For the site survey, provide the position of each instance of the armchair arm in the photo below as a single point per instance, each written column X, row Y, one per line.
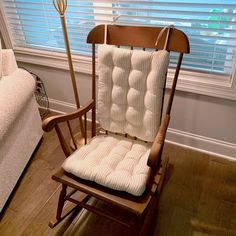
column 50, row 122
column 156, row 149
column 8, row 62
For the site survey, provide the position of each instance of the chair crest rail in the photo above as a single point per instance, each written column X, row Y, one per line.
column 140, row 36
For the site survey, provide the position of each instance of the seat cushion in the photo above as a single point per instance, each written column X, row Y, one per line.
column 130, row 90
column 113, row 161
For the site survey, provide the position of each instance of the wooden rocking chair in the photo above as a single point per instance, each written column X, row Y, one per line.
column 123, row 165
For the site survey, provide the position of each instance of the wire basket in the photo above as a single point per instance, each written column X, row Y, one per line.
column 40, row 95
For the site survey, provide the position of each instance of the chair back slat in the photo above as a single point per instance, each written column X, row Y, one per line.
column 94, row 89
column 85, row 126
column 71, row 134
column 63, row 143
column 172, row 92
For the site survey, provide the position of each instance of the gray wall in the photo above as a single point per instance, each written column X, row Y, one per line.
column 204, row 115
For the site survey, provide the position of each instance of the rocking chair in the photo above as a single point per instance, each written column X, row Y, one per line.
column 122, row 165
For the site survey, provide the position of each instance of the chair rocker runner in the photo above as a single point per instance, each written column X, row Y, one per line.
column 122, row 166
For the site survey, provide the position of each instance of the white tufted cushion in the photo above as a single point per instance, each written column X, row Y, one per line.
column 113, row 161
column 130, row 90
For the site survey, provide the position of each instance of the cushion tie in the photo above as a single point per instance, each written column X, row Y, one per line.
column 167, row 35
column 105, row 28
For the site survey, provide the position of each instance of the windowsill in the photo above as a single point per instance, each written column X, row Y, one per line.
column 194, row 82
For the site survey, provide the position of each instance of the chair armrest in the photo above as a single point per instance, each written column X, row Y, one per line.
column 8, row 62
column 50, row 122
column 156, row 149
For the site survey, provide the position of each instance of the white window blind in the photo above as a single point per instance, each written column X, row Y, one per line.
column 210, row 26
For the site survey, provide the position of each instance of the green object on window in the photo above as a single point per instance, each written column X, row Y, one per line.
column 219, row 18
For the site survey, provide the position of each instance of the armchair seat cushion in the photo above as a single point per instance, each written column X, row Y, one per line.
column 113, row 161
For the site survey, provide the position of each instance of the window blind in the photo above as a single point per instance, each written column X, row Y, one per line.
column 210, row 26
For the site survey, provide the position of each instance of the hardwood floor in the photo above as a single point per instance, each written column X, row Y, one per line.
column 198, row 198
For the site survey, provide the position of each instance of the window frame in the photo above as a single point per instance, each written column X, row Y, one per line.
column 189, row 81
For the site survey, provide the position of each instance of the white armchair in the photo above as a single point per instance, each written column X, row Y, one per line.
column 20, row 123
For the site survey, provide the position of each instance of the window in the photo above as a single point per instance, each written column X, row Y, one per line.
column 210, row 26
column 36, row 24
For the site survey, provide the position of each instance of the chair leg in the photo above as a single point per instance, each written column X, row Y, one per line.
column 164, row 166
column 136, row 229
column 64, row 210
column 59, row 213
column 149, row 216
column 61, row 201
column 152, row 209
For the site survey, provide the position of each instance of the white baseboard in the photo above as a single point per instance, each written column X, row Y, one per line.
column 200, row 143
column 61, row 107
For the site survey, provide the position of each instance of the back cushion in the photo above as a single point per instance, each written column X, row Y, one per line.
column 130, row 90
